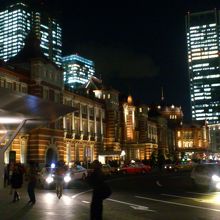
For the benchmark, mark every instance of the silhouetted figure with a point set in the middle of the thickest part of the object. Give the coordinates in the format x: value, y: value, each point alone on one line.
x: 100, y: 191
x: 6, y: 176
x: 16, y: 182
x: 32, y: 181
x: 59, y: 179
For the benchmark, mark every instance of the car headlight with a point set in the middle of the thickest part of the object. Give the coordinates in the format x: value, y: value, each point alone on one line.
x: 217, y: 185
x: 67, y: 178
x: 49, y: 179
x: 215, y: 178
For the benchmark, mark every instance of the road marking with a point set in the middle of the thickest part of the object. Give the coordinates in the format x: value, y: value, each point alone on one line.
x: 143, y: 208
x: 176, y: 203
x: 78, y: 194
x: 158, y: 183
x: 132, y: 205
x: 182, y: 197
x: 203, y: 194
x: 87, y: 202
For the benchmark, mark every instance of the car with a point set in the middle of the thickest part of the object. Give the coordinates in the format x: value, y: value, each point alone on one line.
x: 183, y: 166
x: 145, y: 167
x: 78, y: 172
x: 106, y: 169
x: 134, y: 168
x: 207, y: 175
x: 47, y: 176
x: 169, y: 167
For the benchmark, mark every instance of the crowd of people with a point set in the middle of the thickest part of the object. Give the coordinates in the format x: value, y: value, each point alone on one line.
x: 15, y: 174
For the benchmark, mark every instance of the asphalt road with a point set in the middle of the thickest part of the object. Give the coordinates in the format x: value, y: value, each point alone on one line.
x: 135, y: 197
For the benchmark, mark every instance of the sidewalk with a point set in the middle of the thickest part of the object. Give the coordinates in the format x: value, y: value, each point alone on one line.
x: 47, y: 206
x: 8, y: 209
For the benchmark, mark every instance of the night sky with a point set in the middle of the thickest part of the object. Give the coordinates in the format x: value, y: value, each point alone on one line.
x: 137, y: 46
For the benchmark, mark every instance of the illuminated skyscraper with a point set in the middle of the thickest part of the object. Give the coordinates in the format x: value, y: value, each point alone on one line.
x: 17, y: 18
x: 78, y: 70
x: 203, y: 41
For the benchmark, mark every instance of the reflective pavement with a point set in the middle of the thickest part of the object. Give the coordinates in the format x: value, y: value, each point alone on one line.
x: 47, y: 206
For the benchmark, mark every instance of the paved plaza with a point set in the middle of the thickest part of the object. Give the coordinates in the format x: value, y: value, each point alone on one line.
x: 47, y: 206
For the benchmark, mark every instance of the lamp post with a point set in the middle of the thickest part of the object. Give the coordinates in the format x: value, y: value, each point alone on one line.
x: 122, y: 155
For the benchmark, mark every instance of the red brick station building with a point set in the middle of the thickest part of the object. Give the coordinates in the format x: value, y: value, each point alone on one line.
x: 94, y: 122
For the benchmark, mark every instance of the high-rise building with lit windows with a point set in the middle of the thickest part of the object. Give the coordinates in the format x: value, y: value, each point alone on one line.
x: 17, y: 18
x: 203, y: 42
x: 77, y: 70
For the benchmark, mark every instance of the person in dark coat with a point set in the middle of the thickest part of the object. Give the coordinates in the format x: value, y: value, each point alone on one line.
x: 32, y: 181
x: 16, y: 182
x: 96, y: 180
x: 6, y: 176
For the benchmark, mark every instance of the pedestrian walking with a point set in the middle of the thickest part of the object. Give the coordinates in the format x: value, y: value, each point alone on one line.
x: 59, y: 178
x: 6, y: 175
x: 16, y: 182
x: 100, y: 191
x: 32, y: 181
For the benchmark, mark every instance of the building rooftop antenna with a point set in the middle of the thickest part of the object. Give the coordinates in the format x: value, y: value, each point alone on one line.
x: 162, y: 95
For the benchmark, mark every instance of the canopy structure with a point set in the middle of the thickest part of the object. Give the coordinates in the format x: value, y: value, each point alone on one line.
x: 27, y: 112
x: 22, y: 106
x: 20, y: 112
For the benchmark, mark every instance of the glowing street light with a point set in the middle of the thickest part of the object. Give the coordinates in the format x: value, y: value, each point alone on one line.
x: 122, y: 153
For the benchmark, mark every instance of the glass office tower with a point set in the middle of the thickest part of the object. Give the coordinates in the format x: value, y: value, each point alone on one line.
x: 17, y: 17
x: 203, y: 39
x: 78, y: 70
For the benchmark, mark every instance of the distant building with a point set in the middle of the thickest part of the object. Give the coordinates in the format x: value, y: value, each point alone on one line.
x: 139, y: 138
x: 111, y: 136
x: 103, y: 125
x: 167, y: 118
x: 78, y: 70
x: 214, y: 131
x: 203, y: 42
x: 193, y: 140
x: 172, y: 113
x: 77, y: 136
x: 17, y: 18
x: 147, y: 133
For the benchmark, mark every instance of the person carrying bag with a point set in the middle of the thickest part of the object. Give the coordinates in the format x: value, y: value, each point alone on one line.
x: 101, y: 191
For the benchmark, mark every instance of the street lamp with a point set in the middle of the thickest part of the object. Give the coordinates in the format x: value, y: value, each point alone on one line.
x: 122, y: 155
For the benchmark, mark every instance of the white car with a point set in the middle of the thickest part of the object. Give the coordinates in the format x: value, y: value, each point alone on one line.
x: 78, y: 172
x: 207, y: 175
x: 47, y: 177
